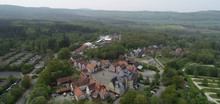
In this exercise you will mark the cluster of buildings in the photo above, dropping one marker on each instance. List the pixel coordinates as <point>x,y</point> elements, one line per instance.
<point>86,84</point>
<point>107,39</point>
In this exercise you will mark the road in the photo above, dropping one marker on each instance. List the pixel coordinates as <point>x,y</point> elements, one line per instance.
<point>25,95</point>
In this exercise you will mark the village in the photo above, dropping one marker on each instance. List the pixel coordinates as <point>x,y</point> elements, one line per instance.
<point>111,78</point>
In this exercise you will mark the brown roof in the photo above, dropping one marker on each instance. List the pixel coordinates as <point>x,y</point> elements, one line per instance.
<point>95,92</point>
<point>91,86</point>
<point>81,82</point>
<point>115,64</point>
<point>130,67</point>
<point>122,62</point>
<point>121,57</point>
<point>77,91</point>
<point>63,90</point>
<point>102,90</point>
<point>104,61</point>
<point>187,51</point>
<point>82,75</point>
<point>91,80</point>
<point>130,60</point>
<point>93,64</point>
<point>65,79</point>
<point>83,62</point>
<point>89,65</point>
<point>122,66</point>
<point>85,71</point>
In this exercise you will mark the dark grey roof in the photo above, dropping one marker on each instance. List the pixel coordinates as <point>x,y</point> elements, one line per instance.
<point>141,53</point>
<point>111,61</point>
<point>77,57</point>
<point>136,64</point>
<point>113,80</point>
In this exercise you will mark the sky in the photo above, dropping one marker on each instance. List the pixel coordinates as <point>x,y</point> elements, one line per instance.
<point>122,5</point>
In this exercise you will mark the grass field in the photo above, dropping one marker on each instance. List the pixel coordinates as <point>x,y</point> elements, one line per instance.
<point>164,60</point>
<point>210,90</point>
<point>214,96</point>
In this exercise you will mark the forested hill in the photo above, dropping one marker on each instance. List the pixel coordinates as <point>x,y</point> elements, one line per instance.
<point>8,11</point>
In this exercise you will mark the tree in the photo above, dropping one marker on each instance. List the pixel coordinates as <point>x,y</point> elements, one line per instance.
<point>64,53</point>
<point>109,99</point>
<point>209,75</point>
<point>219,75</point>
<point>39,100</point>
<point>140,99</point>
<point>178,81</point>
<point>75,77</point>
<point>154,54</point>
<point>170,95</point>
<point>25,83</point>
<point>218,83</point>
<point>205,82</point>
<point>195,73</point>
<point>129,97</point>
<point>156,100</point>
<point>39,91</point>
<point>218,93</point>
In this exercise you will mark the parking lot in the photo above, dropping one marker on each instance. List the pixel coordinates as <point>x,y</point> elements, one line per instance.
<point>8,54</point>
<point>34,59</point>
<point>5,74</point>
<point>60,97</point>
<point>148,73</point>
<point>103,76</point>
<point>14,57</point>
<point>22,59</point>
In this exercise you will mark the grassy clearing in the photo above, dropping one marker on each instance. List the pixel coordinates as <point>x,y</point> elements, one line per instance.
<point>209,85</point>
<point>214,96</point>
<point>140,59</point>
<point>164,60</point>
<point>211,90</point>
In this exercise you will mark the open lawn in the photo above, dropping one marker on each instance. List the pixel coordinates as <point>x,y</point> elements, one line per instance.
<point>214,96</point>
<point>164,60</point>
<point>209,85</point>
<point>140,59</point>
<point>210,90</point>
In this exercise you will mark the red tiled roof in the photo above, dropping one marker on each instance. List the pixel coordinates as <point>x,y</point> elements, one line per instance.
<point>77,91</point>
<point>93,64</point>
<point>115,64</point>
<point>122,62</point>
<point>65,79</point>
<point>91,86</point>
<point>104,61</point>
<point>63,90</point>
<point>103,90</point>
<point>89,65</point>
<point>82,47</point>
<point>130,67</point>
<point>81,82</point>
<point>95,93</point>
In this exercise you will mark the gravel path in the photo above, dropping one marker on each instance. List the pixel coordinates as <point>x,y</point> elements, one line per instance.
<point>206,93</point>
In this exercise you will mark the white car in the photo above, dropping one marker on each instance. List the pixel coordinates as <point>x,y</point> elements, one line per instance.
<point>187,86</point>
<point>152,92</point>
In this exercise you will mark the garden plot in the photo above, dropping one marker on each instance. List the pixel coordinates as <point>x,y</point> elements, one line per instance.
<point>22,59</point>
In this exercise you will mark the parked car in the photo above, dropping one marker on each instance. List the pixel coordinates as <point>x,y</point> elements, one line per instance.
<point>1,80</point>
<point>152,92</point>
<point>64,94</point>
<point>187,86</point>
<point>71,93</point>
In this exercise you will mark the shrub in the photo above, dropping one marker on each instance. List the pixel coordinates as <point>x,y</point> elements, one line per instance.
<point>218,93</point>
<point>205,82</point>
<point>109,100</point>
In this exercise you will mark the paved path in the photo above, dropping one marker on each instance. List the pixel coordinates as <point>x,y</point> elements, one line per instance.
<point>159,62</point>
<point>206,94</point>
<point>25,95</point>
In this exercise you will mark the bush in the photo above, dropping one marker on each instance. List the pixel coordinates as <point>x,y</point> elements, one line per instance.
<point>218,93</point>
<point>205,82</point>
<point>109,100</point>
<point>25,83</point>
<point>147,81</point>
<point>156,82</point>
<point>154,68</point>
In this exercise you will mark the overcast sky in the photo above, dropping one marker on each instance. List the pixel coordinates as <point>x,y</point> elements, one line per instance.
<point>123,5</point>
